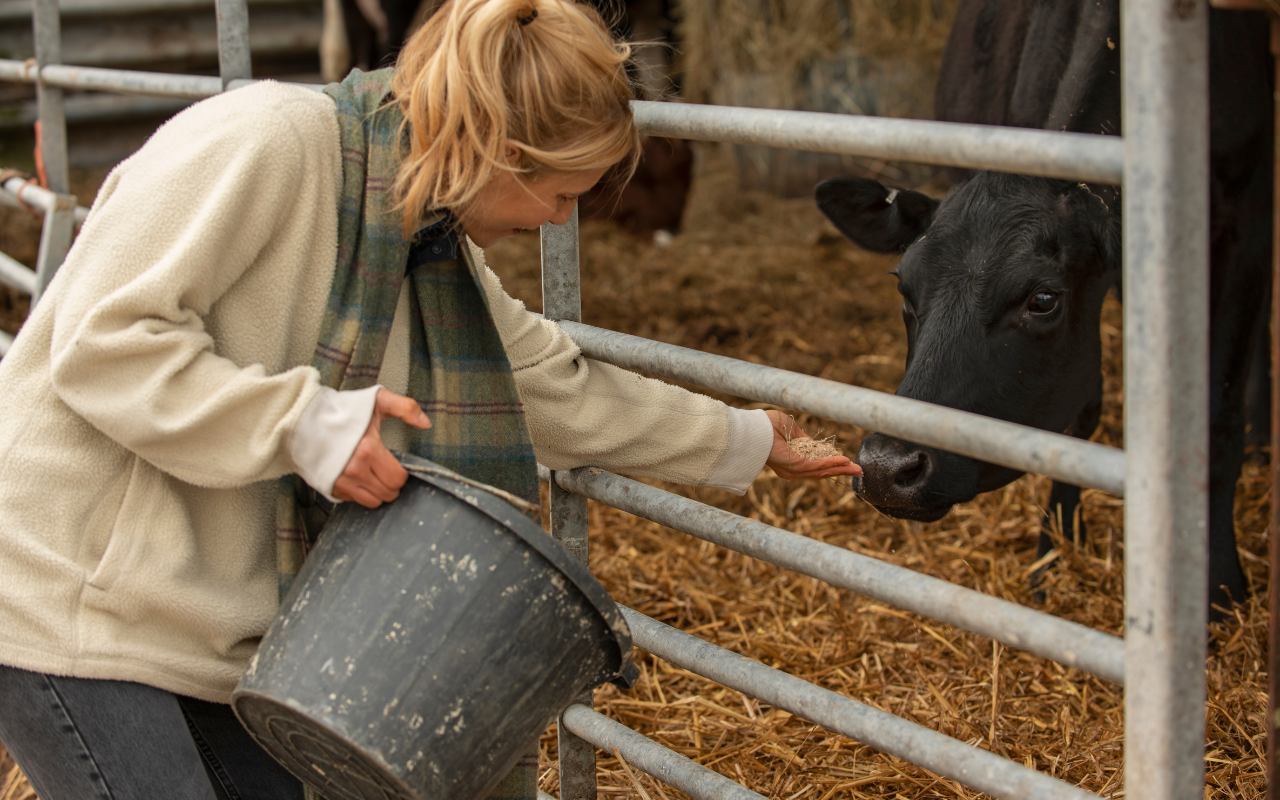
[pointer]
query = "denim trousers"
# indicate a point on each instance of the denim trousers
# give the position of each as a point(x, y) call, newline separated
point(80, 739)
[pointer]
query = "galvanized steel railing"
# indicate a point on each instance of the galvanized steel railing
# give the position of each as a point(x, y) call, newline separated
point(1163, 473)
point(61, 216)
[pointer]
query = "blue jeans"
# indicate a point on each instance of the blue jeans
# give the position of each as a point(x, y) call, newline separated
point(78, 739)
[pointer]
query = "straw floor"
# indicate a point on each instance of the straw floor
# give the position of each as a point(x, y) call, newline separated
point(767, 280)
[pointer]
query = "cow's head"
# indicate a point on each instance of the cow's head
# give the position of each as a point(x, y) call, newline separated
point(1002, 285)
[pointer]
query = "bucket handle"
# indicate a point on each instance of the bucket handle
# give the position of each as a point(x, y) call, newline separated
point(524, 505)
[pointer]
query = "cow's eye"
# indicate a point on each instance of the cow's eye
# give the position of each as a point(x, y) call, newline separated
point(908, 310)
point(1043, 302)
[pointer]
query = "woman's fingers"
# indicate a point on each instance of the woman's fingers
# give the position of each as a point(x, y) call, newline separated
point(831, 467)
point(347, 491)
point(387, 472)
point(372, 475)
point(390, 404)
point(790, 465)
point(785, 427)
point(839, 465)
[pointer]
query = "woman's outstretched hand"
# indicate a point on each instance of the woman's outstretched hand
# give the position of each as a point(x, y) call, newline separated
point(373, 476)
point(790, 465)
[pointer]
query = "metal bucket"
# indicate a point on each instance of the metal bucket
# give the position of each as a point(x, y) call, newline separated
point(426, 645)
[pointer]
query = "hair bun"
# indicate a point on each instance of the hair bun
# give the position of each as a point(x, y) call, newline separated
point(526, 14)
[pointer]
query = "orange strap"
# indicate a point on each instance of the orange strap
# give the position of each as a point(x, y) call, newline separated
point(44, 179)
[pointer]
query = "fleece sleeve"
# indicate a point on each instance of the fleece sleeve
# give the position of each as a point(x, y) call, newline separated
point(585, 412)
point(210, 196)
point(327, 435)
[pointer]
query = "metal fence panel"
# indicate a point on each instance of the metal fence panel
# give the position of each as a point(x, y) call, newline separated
point(1166, 339)
point(17, 275)
point(55, 241)
point(1062, 457)
point(997, 776)
point(233, 41)
point(1075, 156)
point(1017, 626)
point(53, 124)
point(1050, 153)
point(661, 762)
point(561, 300)
point(1163, 162)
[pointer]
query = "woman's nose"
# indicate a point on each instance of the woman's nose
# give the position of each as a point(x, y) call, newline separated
point(563, 212)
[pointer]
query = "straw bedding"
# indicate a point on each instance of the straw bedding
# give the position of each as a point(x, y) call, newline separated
point(767, 280)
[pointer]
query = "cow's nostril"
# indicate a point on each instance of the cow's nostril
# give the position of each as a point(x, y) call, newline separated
point(912, 471)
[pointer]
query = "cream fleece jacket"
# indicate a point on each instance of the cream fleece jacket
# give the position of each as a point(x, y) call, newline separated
point(159, 385)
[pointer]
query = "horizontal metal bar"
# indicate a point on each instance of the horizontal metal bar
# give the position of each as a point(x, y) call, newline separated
point(661, 762)
point(1017, 626)
point(99, 108)
point(161, 84)
point(1054, 154)
point(1062, 457)
point(20, 10)
point(6, 341)
point(36, 197)
point(934, 751)
point(544, 796)
point(16, 274)
point(194, 87)
point(1050, 153)
point(8, 200)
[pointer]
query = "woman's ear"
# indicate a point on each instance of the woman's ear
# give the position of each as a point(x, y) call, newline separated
point(512, 155)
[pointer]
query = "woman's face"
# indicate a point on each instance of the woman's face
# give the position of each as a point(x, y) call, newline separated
point(509, 203)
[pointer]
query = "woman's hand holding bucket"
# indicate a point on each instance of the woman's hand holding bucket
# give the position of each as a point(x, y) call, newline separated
point(373, 476)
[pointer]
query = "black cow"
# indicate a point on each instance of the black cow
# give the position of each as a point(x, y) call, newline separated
point(1003, 280)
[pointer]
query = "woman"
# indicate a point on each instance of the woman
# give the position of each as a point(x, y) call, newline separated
point(247, 321)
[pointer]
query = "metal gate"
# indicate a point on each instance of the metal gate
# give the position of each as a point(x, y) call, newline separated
point(1162, 161)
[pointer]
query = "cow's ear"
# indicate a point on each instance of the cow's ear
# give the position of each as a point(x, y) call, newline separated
point(874, 217)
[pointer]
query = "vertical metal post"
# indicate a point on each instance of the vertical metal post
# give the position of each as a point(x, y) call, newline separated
point(1164, 45)
point(55, 241)
point(233, 41)
point(59, 222)
point(562, 299)
point(1273, 543)
point(46, 27)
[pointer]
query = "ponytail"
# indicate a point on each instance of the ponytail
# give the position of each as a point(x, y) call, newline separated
point(544, 76)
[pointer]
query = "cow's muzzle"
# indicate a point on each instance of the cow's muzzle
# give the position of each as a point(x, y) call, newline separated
point(911, 481)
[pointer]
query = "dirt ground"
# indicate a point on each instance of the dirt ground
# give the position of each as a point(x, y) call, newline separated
point(767, 280)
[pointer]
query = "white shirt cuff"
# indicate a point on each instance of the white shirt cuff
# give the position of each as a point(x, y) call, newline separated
point(750, 440)
point(327, 435)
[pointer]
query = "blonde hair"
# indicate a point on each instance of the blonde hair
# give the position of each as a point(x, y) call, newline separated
point(544, 76)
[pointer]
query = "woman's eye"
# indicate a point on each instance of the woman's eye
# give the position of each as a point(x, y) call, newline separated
point(1043, 302)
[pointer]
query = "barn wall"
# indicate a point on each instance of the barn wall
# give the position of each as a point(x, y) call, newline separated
point(877, 57)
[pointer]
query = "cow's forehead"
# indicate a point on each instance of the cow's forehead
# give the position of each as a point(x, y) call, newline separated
point(983, 248)
point(987, 221)
point(993, 207)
